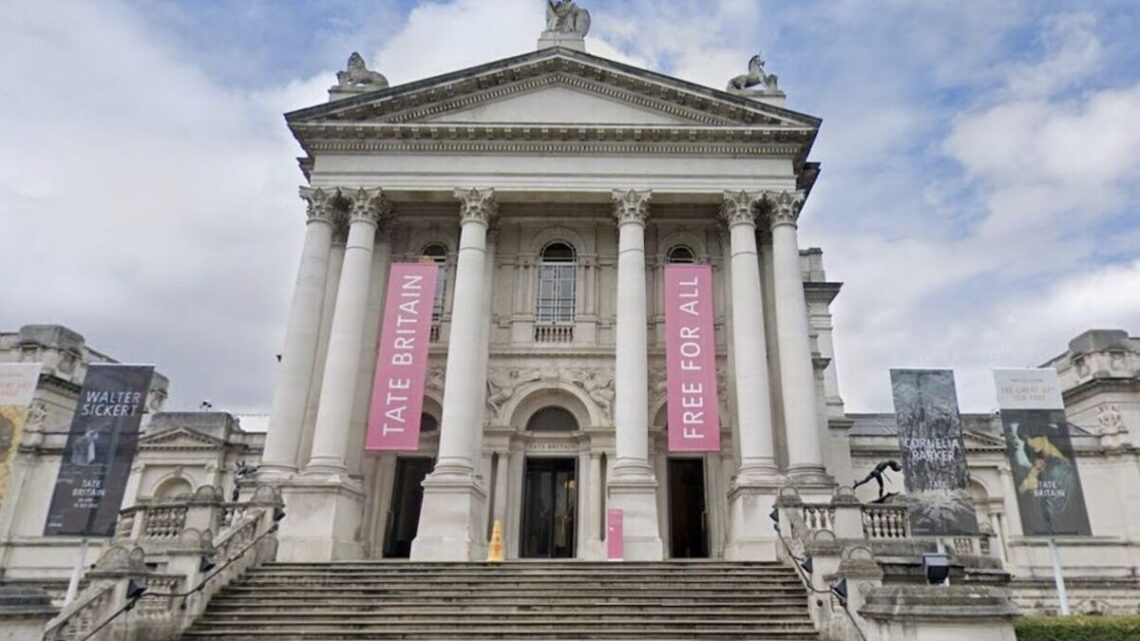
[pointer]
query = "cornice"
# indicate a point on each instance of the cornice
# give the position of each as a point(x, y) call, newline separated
point(821, 292)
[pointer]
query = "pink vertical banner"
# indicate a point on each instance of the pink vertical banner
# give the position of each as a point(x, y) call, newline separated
point(401, 367)
point(690, 360)
point(615, 541)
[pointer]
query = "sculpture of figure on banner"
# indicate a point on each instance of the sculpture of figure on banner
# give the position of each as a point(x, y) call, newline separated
point(877, 475)
point(566, 17)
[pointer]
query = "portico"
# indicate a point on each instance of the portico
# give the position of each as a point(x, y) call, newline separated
point(551, 189)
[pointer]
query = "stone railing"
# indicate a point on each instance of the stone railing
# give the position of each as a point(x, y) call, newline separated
point(553, 333)
point(885, 521)
point(818, 517)
point(176, 592)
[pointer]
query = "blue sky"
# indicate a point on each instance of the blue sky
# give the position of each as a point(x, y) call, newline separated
point(979, 191)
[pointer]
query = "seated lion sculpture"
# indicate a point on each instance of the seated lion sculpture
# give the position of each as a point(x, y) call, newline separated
point(357, 74)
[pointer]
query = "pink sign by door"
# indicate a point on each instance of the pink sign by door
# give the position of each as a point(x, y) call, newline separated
point(401, 367)
point(690, 360)
point(615, 543)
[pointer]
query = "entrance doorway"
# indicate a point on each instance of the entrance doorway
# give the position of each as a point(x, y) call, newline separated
point(688, 519)
point(550, 496)
point(407, 497)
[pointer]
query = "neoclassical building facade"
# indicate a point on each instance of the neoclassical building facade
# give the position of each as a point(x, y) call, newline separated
point(552, 189)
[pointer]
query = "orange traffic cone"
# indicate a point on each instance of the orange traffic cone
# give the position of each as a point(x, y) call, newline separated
point(495, 550)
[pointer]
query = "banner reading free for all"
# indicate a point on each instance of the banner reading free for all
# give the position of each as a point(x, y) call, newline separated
point(690, 360)
point(401, 367)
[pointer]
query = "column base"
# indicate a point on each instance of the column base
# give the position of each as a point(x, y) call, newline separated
point(633, 490)
point(751, 535)
point(322, 521)
point(275, 474)
point(451, 520)
point(811, 480)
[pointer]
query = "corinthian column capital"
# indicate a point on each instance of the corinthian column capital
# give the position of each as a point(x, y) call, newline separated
point(476, 205)
point(366, 205)
point(739, 207)
point(631, 206)
point(319, 204)
point(783, 206)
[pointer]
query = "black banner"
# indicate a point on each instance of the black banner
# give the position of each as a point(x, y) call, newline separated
point(100, 450)
point(1045, 476)
point(933, 456)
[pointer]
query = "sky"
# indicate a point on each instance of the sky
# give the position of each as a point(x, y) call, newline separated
point(979, 199)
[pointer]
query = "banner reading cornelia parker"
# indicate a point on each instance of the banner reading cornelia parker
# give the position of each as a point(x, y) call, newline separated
point(1040, 452)
point(100, 450)
point(933, 456)
point(17, 388)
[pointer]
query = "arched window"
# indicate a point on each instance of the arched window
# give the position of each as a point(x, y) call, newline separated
point(556, 273)
point(172, 488)
point(680, 254)
point(428, 423)
point(552, 419)
point(437, 253)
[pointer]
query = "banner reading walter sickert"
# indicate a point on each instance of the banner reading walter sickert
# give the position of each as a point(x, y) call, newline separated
point(1040, 451)
point(17, 388)
point(933, 456)
point(100, 451)
point(401, 366)
point(690, 360)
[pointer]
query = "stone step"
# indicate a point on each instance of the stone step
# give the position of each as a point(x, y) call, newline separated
point(570, 584)
point(484, 593)
point(579, 605)
point(521, 635)
point(769, 615)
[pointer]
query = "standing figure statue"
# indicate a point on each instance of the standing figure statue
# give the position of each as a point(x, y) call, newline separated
point(755, 76)
point(877, 475)
point(566, 17)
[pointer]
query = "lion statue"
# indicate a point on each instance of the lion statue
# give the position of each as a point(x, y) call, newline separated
point(357, 75)
point(755, 76)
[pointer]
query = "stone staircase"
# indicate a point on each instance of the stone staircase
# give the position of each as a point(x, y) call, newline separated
point(377, 600)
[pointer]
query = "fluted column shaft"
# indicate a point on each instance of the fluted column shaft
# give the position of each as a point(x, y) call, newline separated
point(291, 389)
point(797, 374)
point(750, 355)
point(342, 364)
point(631, 375)
point(463, 399)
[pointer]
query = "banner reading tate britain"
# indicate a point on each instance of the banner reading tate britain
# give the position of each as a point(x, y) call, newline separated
point(401, 366)
point(690, 360)
point(17, 388)
point(100, 450)
point(1049, 495)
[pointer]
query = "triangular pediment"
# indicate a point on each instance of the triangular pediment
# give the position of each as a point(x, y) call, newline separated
point(552, 86)
point(559, 103)
point(179, 438)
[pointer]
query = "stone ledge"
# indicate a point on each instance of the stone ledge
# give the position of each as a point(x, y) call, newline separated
point(954, 603)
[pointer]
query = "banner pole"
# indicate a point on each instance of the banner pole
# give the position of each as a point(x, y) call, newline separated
point(76, 573)
point(1059, 578)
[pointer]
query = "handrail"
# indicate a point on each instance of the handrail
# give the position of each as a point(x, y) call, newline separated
point(811, 588)
point(132, 602)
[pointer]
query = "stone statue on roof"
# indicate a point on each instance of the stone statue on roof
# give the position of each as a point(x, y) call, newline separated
point(566, 17)
point(357, 75)
point(755, 76)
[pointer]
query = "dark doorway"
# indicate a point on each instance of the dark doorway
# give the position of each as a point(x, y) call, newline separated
point(550, 496)
point(404, 513)
point(688, 520)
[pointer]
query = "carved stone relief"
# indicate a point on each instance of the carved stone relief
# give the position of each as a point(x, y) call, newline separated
point(596, 383)
point(1109, 419)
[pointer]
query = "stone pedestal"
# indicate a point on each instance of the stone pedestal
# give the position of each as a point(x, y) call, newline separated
point(558, 39)
point(752, 536)
point(636, 496)
point(452, 526)
point(322, 520)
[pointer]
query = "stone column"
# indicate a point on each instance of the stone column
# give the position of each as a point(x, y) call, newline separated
point(757, 480)
point(342, 365)
point(291, 389)
point(452, 517)
point(632, 486)
point(797, 372)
